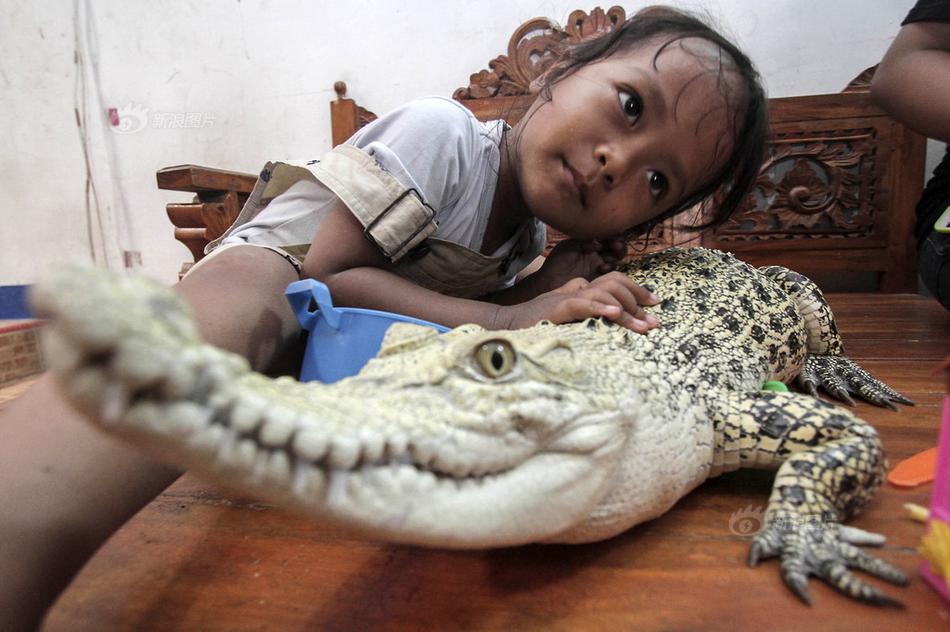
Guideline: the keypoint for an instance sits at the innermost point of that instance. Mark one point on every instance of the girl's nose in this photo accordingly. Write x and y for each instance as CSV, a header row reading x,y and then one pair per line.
x,y
606,174
615,162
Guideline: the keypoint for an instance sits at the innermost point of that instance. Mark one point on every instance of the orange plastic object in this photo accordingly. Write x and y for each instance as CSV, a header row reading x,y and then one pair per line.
x,y
916,470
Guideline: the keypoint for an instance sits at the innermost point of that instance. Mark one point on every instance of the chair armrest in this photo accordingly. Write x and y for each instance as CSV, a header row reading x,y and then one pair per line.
x,y
219,197
199,179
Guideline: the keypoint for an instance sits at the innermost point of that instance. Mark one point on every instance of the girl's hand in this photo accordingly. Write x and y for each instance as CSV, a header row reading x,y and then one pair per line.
x,y
573,258
613,296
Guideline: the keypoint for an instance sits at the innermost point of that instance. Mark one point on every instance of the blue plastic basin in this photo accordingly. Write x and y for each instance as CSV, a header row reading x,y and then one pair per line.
x,y
342,339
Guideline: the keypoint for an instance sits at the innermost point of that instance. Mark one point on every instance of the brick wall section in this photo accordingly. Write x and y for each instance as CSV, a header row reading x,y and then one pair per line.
x,y
20,354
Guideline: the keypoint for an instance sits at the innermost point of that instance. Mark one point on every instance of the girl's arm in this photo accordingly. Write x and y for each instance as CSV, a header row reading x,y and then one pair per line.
x,y
358,275
912,82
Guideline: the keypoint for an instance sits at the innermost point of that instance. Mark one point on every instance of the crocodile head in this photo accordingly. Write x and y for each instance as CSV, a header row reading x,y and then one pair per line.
x,y
466,439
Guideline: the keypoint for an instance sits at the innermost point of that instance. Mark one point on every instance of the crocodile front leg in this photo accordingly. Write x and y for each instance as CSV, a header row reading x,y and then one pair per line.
x,y
829,464
825,365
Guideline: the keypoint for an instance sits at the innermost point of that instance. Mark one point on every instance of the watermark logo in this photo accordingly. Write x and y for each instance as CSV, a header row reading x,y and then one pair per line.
x,y
750,520
134,117
747,521
182,120
129,118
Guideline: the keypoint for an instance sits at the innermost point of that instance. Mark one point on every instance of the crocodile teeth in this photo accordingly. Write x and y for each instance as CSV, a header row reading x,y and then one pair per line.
x,y
239,454
179,378
374,446
277,428
308,481
310,445
210,439
345,453
139,365
278,466
220,400
425,480
423,453
396,446
247,414
450,465
184,419
115,402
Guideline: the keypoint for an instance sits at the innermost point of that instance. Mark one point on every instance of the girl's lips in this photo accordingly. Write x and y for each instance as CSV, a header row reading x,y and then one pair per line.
x,y
575,183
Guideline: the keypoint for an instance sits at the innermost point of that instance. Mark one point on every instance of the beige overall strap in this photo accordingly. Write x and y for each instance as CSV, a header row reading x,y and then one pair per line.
x,y
393,217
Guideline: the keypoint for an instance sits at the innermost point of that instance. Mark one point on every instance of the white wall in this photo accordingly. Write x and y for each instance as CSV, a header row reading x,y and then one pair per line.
x,y
250,80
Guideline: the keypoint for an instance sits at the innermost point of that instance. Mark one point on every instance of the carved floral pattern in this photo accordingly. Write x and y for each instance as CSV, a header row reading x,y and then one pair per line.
x,y
818,187
532,49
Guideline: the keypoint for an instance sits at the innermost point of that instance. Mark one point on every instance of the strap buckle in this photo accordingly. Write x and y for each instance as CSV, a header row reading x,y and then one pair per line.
x,y
429,211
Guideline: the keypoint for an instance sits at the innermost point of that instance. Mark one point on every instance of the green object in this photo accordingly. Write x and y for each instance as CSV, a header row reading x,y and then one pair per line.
x,y
777,387
942,225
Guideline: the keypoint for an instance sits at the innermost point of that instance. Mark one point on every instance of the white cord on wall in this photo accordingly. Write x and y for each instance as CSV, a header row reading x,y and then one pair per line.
x,y
110,238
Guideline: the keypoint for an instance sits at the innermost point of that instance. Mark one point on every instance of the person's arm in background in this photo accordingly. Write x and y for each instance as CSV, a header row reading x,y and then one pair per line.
x,y
912,82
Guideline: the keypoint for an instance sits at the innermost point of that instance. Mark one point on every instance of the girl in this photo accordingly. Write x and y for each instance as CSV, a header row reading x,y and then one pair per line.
x,y
430,213
630,129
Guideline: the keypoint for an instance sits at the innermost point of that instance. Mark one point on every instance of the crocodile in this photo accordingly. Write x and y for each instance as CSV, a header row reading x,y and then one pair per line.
x,y
474,438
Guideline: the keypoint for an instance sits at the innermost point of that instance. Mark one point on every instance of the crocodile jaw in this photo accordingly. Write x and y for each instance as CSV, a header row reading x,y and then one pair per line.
x,y
396,487
544,494
522,475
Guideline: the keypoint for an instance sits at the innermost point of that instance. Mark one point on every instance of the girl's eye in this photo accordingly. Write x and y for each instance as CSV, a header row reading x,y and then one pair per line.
x,y
631,104
657,183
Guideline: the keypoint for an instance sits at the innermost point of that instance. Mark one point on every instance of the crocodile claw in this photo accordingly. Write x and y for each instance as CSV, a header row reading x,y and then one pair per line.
x,y
840,377
825,550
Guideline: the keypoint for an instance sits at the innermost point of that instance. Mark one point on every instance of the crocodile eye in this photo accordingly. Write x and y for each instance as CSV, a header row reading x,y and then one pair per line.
x,y
495,358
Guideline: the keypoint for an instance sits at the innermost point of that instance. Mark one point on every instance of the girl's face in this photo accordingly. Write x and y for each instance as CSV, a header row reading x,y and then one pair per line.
x,y
625,138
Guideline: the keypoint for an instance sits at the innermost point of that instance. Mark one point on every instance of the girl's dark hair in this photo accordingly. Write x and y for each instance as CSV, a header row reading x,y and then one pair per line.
x,y
729,186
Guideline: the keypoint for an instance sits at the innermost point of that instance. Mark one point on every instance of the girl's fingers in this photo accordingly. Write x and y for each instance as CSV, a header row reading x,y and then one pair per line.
x,y
574,285
578,308
613,296
605,305
619,290
640,294
630,295
635,324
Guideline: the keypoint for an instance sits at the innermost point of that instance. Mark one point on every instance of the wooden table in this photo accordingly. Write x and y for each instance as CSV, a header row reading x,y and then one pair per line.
x,y
196,559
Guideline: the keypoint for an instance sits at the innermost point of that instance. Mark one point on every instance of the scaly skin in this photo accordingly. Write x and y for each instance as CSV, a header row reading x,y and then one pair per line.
x,y
474,438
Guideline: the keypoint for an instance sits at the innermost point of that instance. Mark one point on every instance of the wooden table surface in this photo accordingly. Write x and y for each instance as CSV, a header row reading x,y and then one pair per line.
x,y
196,559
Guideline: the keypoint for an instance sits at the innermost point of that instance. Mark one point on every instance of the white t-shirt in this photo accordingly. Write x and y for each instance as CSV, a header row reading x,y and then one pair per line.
x,y
433,145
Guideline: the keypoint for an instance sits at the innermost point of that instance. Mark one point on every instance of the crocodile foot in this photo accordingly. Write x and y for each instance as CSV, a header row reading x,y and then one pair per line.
x,y
826,550
840,377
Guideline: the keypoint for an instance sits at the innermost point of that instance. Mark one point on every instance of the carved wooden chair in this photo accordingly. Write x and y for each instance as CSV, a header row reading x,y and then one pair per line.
x,y
835,198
